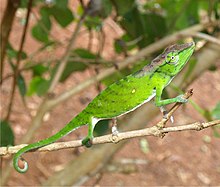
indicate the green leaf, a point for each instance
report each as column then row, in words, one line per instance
column 62, row 14
column 216, row 112
column 71, row 67
column 45, row 17
column 123, row 6
column 149, row 26
column 12, row 53
column 39, row 70
column 38, row 85
column 83, row 53
column 7, row 135
column 39, row 33
column 106, row 8
column 93, row 22
column 21, row 85
column 101, row 127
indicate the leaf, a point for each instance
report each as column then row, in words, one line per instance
column 123, row 6
column 148, row 26
column 39, row 69
column 71, row 67
column 93, row 22
column 7, row 135
column 215, row 113
column 39, row 33
column 106, row 8
column 101, row 127
column 62, row 14
column 21, row 85
column 83, row 53
column 12, row 53
column 45, row 17
column 38, row 85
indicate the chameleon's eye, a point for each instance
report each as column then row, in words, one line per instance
column 172, row 58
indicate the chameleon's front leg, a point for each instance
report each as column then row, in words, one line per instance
column 164, row 113
column 159, row 102
column 114, row 127
column 87, row 141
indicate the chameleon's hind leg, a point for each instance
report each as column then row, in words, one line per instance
column 164, row 112
column 114, row 127
column 87, row 141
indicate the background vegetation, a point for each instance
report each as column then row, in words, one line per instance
column 52, row 50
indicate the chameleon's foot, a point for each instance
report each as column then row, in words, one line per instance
column 181, row 99
column 114, row 127
column 87, row 141
column 114, row 131
column 165, row 114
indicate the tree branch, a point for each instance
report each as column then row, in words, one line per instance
column 18, row 60
column 128, row 61
column 151, row 131
column 157, row 130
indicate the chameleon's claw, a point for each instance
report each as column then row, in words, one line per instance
column 87, row 141
column 165, row 114
column 114, row 131
column 114, row 127
column 181, row 99
column 172, row 119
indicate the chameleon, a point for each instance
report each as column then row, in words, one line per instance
column 124, row 96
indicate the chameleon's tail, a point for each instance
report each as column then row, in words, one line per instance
column 71, row 126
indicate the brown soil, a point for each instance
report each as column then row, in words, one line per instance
column 184, row 158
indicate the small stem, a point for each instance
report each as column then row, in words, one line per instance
column 150, row 131
column 66, row 55
column 18, row 61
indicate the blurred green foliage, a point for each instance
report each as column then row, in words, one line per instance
column 143, row 23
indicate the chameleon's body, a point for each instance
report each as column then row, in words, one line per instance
column 125, row 95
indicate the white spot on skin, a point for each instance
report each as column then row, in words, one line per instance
column 95, row 121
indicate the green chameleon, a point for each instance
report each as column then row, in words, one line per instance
column 124, row 96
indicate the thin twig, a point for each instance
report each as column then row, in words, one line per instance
column 18, row 61
column 66, row 55
column 151, row 131
column 128, row 61
column 157, row 130
column 206, row 37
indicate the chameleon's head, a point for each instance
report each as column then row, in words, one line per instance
column 173, row 59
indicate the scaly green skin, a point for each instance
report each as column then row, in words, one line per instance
column 124, row 96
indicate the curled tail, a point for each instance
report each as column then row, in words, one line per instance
column 71, row 126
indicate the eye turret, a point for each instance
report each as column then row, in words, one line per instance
column 172, row 58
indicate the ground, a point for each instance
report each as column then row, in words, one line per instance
column 183, row 158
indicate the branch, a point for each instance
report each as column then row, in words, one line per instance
column 206, row 37
column 151, row 131
column 66, row 55
column 157, row 130
column 16, row 72
column 128, row 61
column 6, row 25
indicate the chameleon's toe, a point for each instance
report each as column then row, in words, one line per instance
column 181, row 99
column 87, row 142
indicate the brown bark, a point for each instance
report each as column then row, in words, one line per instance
column 6, row 25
